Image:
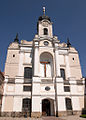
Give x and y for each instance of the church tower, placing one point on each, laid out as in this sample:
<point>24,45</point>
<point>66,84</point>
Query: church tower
<point>44,26</point>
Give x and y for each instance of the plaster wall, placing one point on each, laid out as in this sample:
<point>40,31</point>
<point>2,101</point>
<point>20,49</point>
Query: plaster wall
<point>75,67</point>
<point>8,105</point>
<point>41,29</point>
<point>81,102</point>
<point>10,88</point>
<point>61,103</point>
<point>60,89</point>
<point>11,70</point>
<point>27,58</point>
<point>12,59</point>
<point>21,60</point>
<point>17,105</point>
<point>61,60</point>
<point>45,92</point>
<point>36,106</point>
<point>75,103</point>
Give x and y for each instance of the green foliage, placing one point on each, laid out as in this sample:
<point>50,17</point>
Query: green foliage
<point>83,116</point>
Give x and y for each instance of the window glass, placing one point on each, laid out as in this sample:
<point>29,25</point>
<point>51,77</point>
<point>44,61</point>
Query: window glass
<point>26,104</point>
<point>45,31</point>
<point>68,104</point>
<point>62,71</point>
<point>26,88</point>
<point>28,72</point>
<point>66,88</point>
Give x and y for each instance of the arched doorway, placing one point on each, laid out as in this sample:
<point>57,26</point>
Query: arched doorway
<point>68,103</point>
<point>69,106</point>
<point>46,107</point>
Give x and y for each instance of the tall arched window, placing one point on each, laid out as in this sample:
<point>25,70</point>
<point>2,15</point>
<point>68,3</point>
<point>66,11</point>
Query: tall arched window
<point>28,72</point>
<point>45,31</point>
<point>26,105</point>
<point>62,71</point>
<point>46,65</point>
<point>68,103</point>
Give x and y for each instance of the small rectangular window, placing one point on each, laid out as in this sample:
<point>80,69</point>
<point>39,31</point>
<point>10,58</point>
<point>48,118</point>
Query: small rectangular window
<point>62,71</point>
<point>45,31</point>
<point>26,88</point>
<point>28,72</point>
<point>66,88</point>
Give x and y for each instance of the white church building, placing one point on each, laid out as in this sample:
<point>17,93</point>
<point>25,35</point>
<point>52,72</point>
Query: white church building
<point>43,76</point>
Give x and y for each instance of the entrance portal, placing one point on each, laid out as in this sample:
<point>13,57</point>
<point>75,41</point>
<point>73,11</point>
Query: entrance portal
<point>46,107</point>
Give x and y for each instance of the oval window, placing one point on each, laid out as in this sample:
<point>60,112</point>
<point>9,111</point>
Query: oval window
<point>47,88</point>
<point>46,43</point>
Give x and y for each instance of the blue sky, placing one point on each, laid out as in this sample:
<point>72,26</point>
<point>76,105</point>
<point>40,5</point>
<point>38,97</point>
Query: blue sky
<point>68,17</point>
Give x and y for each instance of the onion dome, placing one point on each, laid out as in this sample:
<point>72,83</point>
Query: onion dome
<point>44,18</point>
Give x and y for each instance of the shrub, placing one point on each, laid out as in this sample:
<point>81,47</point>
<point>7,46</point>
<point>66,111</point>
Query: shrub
<point>83,116</point>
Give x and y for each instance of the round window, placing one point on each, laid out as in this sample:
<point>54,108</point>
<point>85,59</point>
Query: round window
<point>46,43</point>
<point>47,88</point>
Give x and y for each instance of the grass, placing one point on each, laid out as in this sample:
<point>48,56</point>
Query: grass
<point>83,116</point>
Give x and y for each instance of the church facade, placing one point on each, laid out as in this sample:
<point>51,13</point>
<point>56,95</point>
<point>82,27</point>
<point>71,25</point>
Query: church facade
<point>42,76</point>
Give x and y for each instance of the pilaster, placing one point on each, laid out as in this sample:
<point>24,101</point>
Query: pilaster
<point>36,58</point>
<point>57,59</point>
<point>36,101</point>
<point>3,99</point>
<point>74,94</point>
<point>21,57</point>
<point>67,66</point>
<point>60,99</point>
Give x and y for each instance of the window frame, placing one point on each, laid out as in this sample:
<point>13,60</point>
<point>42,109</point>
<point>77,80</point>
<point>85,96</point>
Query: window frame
<point>26,104</point>
<point>66,88</point>
<point>68,101</point>
<point>25,88</point>
<point>62,72</point>
<point>27,72</point>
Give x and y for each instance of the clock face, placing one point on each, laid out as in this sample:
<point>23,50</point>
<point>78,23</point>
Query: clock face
<point>46,43</point>
<point>45,24</point>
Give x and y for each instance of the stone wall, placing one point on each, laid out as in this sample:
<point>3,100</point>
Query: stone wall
<point>15,114</point>
<point>36,114</point>
<point>69,112</point>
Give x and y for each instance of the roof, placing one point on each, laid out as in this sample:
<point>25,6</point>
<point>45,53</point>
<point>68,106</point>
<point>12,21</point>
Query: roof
<point>43,17</point>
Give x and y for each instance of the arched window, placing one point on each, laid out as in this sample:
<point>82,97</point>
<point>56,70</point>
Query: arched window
<point>68,103</point>
<point>26,104</point>
<point>28,72</point>
<point>46,65</point>
<point>45,31</point>
<point>62,71</point>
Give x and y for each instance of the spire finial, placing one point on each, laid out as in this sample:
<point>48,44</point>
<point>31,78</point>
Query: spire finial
<point>44,10</point>
<point>17,36</point>
<point>68,43</point>
<point>16,39</point>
